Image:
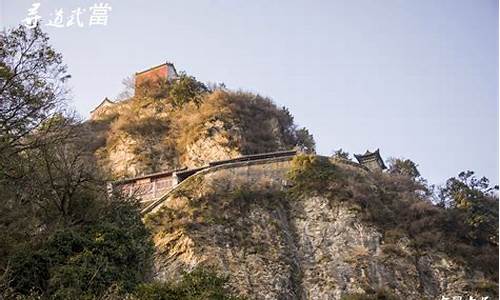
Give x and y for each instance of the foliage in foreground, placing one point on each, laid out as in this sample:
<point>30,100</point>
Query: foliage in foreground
<point>199,284</point>
<point>82,262</point>
<point>381,294</point>
<point>61,236</point>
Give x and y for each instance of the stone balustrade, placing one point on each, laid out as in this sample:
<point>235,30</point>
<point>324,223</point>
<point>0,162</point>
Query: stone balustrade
<point>149,188</point>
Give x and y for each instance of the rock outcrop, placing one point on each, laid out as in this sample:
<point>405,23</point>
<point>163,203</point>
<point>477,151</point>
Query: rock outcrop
<point>244,221</point>
<point>146,135</point>
<point>281,229</point>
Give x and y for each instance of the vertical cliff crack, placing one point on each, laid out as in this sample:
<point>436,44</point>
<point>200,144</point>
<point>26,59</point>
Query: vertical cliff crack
<point>293,253</point>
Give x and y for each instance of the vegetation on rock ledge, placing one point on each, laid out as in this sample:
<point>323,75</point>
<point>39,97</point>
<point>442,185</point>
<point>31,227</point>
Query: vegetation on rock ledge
<point>63,237</point>
<point>147,134</point>
<point>466,227</point>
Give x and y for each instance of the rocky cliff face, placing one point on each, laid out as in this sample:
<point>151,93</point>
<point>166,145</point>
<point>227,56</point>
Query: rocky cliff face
<point>245,222</point>
<point>145,135</point>
<point>215,143</point>
<point>310,228</point>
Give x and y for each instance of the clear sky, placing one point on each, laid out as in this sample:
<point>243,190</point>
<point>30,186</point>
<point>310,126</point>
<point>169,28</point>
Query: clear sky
<point>417,79</point>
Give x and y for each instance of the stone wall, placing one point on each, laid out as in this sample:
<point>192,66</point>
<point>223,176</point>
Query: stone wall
<point>269,173</point>
<point>267,169</point>
<point>146,188</point>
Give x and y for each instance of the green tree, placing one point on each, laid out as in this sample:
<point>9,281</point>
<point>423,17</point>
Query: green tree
<point>32,98</point>
<point>403,167</point>
<point>305,140</point>
<point>200,284</point>
<point>61,236</point>
<point>32,78</point>
<point>476,203</point>
<point>341,154</point>
<point>186,89</point>
<point>82,262</point>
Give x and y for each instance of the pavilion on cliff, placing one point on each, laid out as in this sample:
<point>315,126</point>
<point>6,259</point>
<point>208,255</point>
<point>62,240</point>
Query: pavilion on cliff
<point>371,160</point>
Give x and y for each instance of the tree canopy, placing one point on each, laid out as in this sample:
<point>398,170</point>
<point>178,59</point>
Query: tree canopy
<point>62,235</point>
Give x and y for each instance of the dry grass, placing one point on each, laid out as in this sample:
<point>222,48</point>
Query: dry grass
<point>244,122</point>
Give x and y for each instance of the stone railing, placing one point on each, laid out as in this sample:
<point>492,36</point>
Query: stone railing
<point>263,171</point>
<point>153,189</point>
<point>149,188</point>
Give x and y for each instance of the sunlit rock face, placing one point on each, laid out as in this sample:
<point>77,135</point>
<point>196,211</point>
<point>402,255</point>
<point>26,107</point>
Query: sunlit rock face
<point>147,135</point>
<point>242,221</point>
<point>215,143</point>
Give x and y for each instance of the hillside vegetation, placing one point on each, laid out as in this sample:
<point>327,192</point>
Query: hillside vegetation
<point>337,231</point>
<point>309,228</point>
<point>61,235</point>
<point>148,134</point>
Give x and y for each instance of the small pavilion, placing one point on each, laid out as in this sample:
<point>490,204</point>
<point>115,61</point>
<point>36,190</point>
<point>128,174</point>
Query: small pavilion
<point>371,160</point>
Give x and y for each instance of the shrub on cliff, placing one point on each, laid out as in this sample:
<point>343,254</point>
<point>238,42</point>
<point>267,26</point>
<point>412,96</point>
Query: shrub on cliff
<point>254,124</point>
<point>380,294</point>
<point>477,203</point>
<point>466,228</point>
<point>177,92</point>
<point>200,284</point>
<point>186,89</point>
<point>213,125</point>
<point>403,167</point>
<point>312,174</point>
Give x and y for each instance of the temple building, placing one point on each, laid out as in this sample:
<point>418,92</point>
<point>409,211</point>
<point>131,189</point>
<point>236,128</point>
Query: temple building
<point>150,76</point>
<point>371,160</point>
<point>102,109</point>
<point>143,80</point>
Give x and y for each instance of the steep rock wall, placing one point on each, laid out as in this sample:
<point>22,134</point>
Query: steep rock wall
<point>241,220</point>
<point>145,135</point>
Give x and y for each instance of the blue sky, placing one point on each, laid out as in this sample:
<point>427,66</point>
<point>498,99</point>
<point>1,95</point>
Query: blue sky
<point>417,79</point>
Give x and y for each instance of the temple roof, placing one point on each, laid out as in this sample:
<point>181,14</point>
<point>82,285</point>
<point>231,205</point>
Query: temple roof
<point>368,153</point>
<point>371,156</point>
<point>103,102</point>
<point>167,63</point>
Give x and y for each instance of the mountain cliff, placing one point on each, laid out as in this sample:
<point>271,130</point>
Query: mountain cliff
<point>147,134</point>
<point>277,226</point>
<point>308,228</point>
<point>314,228</point>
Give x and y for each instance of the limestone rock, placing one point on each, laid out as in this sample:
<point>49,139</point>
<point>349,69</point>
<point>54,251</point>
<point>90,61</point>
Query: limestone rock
<point>241,221</point>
